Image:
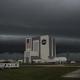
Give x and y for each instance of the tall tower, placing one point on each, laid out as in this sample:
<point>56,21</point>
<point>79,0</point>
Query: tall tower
<point>47,47</point>
<point>54,47</point>
<point>44,46</point>
<point>28,49</point>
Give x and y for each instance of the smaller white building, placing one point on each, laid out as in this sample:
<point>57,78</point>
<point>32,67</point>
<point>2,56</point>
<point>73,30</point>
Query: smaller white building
<point>20,60</point>
<point>58,60</point>
<point>9,65</point>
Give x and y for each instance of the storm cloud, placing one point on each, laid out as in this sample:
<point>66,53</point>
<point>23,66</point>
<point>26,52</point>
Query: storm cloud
<point>55,17</point>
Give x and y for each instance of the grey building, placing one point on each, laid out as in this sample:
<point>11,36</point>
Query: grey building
<point>39,47</point>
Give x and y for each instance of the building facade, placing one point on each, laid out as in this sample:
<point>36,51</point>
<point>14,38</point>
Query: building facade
<point>39,48</point>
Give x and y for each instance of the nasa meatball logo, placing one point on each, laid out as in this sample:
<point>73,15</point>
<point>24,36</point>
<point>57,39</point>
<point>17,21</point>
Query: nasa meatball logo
<point>43,42</point>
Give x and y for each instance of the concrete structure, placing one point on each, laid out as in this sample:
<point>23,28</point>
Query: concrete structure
<point>41,47</point>
<point>59,60</point>
<point>75,74</point>
<point>9,65</point>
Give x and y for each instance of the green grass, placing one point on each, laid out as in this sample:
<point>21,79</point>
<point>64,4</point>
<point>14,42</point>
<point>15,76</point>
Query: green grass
<point>36,73</point>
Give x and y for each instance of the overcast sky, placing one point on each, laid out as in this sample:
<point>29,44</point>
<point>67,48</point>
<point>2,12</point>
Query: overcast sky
<point>56,17</point>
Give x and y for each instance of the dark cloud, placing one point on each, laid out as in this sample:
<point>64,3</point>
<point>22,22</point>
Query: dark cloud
<point>57,17</point>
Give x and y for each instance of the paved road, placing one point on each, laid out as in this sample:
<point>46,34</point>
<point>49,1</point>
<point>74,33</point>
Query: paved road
<point>74,74</point>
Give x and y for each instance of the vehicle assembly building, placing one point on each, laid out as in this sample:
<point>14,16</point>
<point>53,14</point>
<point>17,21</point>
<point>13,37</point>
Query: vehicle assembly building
<point>41,49</point>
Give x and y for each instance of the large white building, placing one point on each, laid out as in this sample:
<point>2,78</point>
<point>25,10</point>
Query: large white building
<point>41,48</point>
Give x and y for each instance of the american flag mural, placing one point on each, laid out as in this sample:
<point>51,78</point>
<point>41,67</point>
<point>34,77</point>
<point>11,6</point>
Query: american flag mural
<point>28,44</point>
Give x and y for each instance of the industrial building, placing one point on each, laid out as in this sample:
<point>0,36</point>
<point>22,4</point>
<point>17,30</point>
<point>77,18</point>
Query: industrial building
<point>41,49</point>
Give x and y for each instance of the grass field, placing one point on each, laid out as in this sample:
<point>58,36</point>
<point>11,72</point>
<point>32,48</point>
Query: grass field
<point>36,73</point>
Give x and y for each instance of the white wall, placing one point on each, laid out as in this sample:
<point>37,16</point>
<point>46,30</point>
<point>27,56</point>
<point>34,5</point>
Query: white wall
<point>44,48</point>
<point>36,46</point>
<point>26,54</point>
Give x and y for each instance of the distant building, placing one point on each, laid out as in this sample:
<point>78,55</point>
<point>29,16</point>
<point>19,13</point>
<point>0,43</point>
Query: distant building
<point>42,48</point>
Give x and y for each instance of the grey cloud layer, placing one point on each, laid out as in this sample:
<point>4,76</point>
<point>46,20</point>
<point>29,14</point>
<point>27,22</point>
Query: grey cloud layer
<point>40,12</point>
<point>59,17</point>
